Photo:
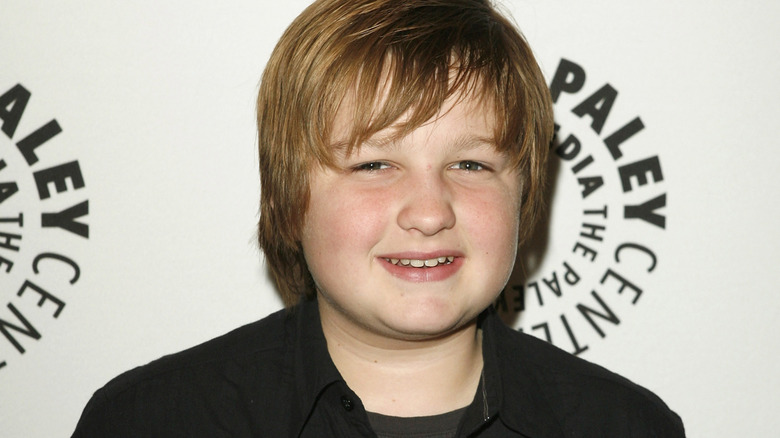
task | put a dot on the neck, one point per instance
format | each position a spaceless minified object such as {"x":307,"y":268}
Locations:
{"x":407,"y":378}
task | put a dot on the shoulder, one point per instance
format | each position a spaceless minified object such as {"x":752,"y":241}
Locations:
{"x":237,"y":351}
{"x":233,"y":369}
{"x":581,"y":395}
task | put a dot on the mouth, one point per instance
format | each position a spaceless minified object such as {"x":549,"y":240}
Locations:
{"x":419,"y":267}
{"x":420,"y":263}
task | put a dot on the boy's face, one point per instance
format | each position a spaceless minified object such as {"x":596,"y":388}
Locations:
{"x":412,"y":239}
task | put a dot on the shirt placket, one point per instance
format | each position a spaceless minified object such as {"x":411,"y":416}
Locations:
{"x":338,"y":412}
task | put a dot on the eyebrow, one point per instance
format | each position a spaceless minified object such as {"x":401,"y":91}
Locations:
{"x":461,"y":143}
{"x":468,"y":142}
{"x":381,"y":142}
{"x":340,"y":148}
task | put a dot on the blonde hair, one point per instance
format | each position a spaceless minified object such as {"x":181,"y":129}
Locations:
{"x":394,"y":58}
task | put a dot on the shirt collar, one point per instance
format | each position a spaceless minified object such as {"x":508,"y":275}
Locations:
{"x":510,"y":382}
{"x":308,"y":359}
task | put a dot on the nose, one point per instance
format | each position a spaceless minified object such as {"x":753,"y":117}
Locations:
{"x":427,"y":205}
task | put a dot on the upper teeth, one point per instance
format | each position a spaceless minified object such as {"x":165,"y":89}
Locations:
{"x":416,"y":263}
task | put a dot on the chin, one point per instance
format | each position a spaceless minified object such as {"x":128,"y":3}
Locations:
{"x":425,"y":322}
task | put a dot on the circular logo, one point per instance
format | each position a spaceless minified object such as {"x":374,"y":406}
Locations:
{"x":586,"y":267}
{"x":43,"y":212}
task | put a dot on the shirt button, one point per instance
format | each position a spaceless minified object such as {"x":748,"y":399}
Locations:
{"x":347,"y":403}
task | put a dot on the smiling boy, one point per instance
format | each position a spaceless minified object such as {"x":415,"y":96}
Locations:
{"x":402,"y":154}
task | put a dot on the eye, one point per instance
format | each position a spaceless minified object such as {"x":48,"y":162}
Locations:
{"x":371,"y":166}
{"x":470,"y":166}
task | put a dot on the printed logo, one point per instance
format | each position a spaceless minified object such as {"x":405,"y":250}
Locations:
{"x":585,"y":273}
{"x":42,"y":212}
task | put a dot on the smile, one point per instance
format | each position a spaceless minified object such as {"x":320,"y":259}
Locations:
{"x":416,"y":263}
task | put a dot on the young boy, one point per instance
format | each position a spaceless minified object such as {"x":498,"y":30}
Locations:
{"x":402,"y":153}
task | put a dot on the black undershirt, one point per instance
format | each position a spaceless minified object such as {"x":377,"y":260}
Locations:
{"x":433,"y":426}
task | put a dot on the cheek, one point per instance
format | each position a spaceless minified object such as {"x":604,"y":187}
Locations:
{"x":342,"y":224}
{"x":493,"y":213}
{"x":492,"y":223}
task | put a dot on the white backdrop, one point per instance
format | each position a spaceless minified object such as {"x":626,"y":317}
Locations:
{"x":152,"y":147}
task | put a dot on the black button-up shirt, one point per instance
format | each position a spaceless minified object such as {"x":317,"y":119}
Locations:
{"x":275,"y":378}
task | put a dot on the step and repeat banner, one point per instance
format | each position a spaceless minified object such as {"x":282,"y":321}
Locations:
{"x":129,"y":192}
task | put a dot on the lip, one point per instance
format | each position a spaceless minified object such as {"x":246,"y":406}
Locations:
{"x":422,"y":275}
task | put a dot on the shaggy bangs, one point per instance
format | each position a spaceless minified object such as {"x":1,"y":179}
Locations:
{"x":406,"y":60}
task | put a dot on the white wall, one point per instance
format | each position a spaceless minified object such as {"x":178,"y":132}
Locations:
{"x":154,"y":101}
